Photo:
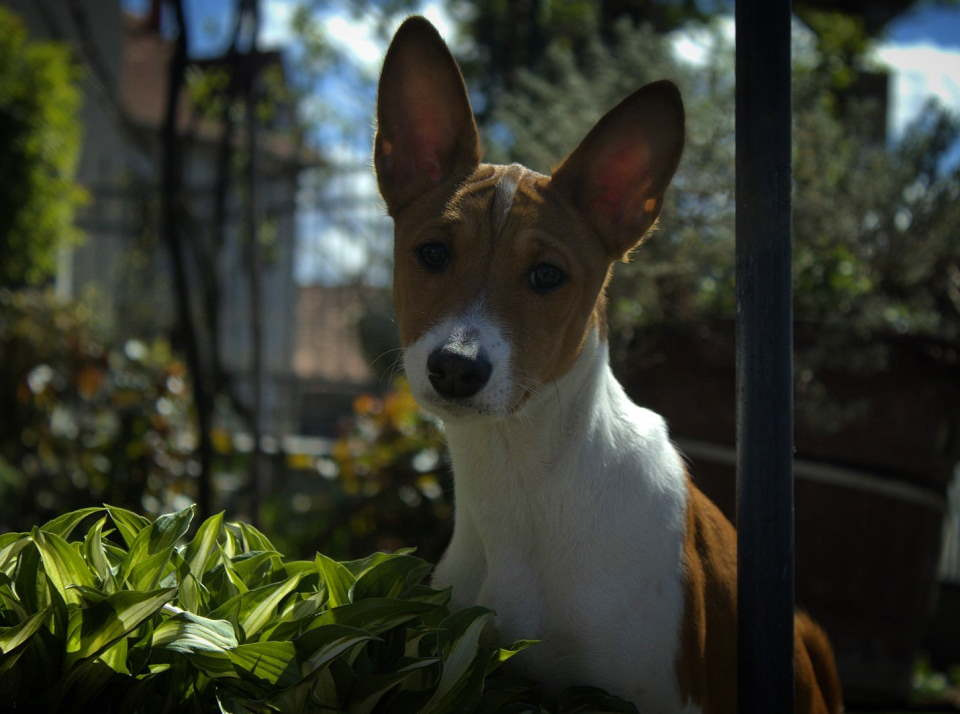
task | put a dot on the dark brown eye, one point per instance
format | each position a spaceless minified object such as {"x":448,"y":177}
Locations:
{"x":545,"y":277}
{"x":433,"y":256}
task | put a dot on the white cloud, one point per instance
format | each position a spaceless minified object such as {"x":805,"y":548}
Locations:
{"x":919,"y":71}
{"x":697,"y":45}
{"x":275,"y":30}
{"x":437,"y":13}
{"x":357,"y":38}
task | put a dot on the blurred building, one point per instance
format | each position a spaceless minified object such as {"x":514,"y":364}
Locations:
{"x":340,"y":333}
{"x":122,"y":266}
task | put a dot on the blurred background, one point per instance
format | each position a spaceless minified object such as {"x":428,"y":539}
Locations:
{"x":195,"y":276}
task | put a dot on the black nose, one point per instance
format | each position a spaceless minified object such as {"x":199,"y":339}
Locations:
{"x":455,"y":375}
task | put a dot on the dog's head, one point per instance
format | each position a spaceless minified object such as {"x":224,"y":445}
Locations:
{"x":499,"y":271}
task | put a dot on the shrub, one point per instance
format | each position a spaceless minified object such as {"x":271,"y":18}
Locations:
{"x":875,"y":244}
{"x":385,"y":483}
{"x":134,"y":616}
{"x":39,"y":147}
{"x":85,"y":420}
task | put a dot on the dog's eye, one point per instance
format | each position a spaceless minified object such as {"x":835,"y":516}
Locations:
{"x":545,"y":277}
{"x":433,"y":256}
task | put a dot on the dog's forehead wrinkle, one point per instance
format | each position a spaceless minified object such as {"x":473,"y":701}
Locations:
{"x":503,"y":195}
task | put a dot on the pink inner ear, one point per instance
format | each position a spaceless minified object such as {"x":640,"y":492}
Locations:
{"x":411,"y":158}
{"x":428,"y":133}
{"x":619,"y":182}
{"x":426,"y":155}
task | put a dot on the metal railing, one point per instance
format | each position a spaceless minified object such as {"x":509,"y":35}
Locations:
{"x":764,"y":358}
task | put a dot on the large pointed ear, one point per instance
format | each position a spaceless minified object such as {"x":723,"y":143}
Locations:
{"x":618,"y":174}
{"x":426,"y":133}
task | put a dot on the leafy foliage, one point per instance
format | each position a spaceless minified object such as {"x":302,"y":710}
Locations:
{"x":932,"y":688}
{"x":135,"y":616}
{"x":39,"y":146}
{"x":85,"y":420}
{"x":874,"y":225}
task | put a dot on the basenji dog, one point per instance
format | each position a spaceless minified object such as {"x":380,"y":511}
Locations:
{"x":575,"y":519}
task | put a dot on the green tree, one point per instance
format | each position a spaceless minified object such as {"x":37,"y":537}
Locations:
{"x":39,"y":146}
{"x":874,"y":225}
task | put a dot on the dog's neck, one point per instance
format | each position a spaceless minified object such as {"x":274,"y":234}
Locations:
{"x":581,"y":480}
{"x":546,"y":429}
{"x":572,"y":436}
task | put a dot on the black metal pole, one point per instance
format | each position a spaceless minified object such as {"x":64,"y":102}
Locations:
{"x":764,"y":359}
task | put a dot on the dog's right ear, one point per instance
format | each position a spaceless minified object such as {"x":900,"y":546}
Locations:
{"x":426,"y":132}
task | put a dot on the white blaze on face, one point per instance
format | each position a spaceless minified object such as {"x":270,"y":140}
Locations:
{"x":470,"y":334}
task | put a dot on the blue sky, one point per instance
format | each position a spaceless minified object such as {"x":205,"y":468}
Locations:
{"x":938,"y":25}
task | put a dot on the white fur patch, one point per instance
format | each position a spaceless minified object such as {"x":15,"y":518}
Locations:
{"x":469,"y":333}
{"x":570,"y":525}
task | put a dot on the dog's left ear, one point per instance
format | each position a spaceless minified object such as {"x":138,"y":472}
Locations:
{"x":426,"y":133}
{"x":618,"y":174}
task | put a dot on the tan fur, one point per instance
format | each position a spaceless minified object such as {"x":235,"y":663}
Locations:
{"x":593,"y":210}
{"x":547,"y":330}
{"x":707,"y":664}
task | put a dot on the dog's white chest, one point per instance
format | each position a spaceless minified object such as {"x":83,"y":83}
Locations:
{"x":578,"y":544}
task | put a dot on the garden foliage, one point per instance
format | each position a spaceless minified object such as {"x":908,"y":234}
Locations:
{"x":875,"y":222}
{"x":385,"y":484}
{"x":135,"y":616}
{"x":86,"y":420}
{"x":39,"y":149}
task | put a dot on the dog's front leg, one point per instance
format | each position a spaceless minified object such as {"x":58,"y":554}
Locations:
{"x":463,"y":565}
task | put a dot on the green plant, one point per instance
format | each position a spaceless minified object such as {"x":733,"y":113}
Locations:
{"x":39,"y":147}
{"x":134,"y":616}
{"x":875,"y":244}
{"x":935,"y":688}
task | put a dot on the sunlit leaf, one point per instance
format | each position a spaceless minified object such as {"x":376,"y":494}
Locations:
{"x":96,"y":554}
{"x":203,"y":640}
{"x":10,"y":546}
{"x":104,"y":623}
{"x":375,"y":615}
{"x":145,"y":573}
{"x":148,"y":556}
{"x":273,"y":662}
{"x":201,"y":552}
{"x":63,"y":525}
{"x":503,"y":654}
{"x":337,"y":578}
{"x":127,"y":522}
{"x":360,"y":566}
{"x":462,"y":666}
{"x":259,"y":605}
{"x":13,"y":637}
{"x":253,"y":539}
{"x":254,"y":567}
{"x":62,"y":564}
{"x":321,"y":645}
{"x":390,"y":578}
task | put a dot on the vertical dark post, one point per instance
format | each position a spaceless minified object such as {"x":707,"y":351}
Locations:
{"x":171,"y":234}
{"x":254,"y":264}
{"x":764,"y":359}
